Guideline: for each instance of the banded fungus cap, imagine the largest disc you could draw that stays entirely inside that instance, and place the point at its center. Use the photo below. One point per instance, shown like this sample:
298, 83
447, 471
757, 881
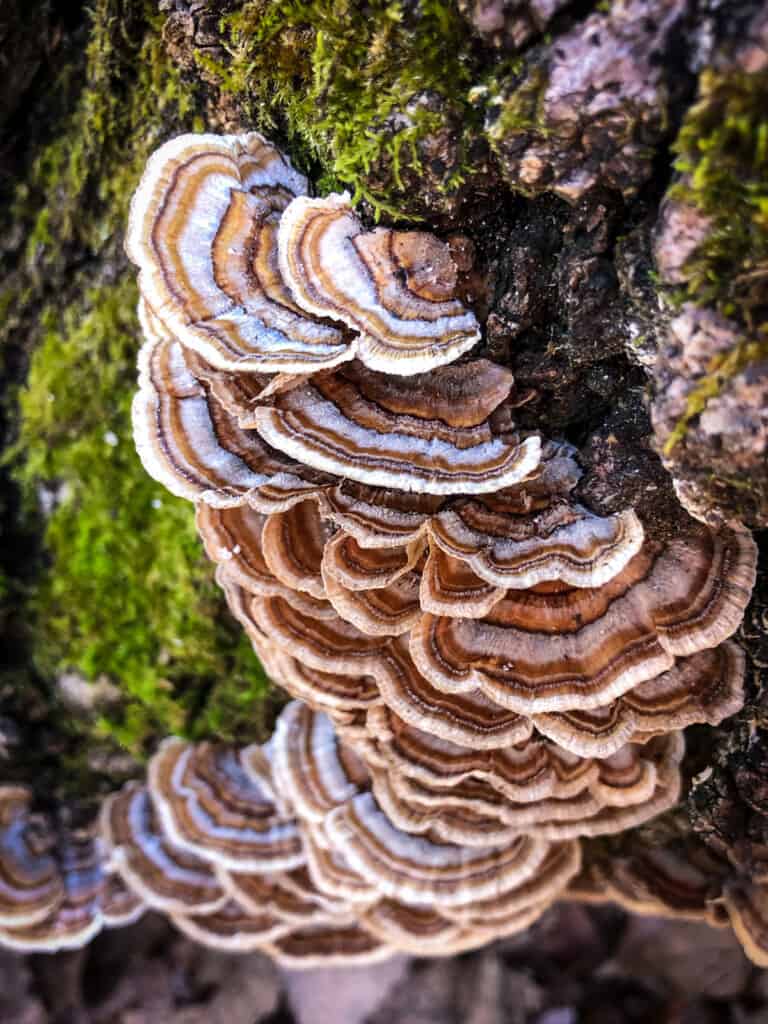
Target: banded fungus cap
395, 288
516, 909
292, 896
202, 230
164, 877
402, 433
601, 798
31, 887
313, 770
705, 687
421, 931
665, 881
217, 802
420, 872
120, 906
329, 945
77, 917
519, 547
556, 650
233, 928
191, 445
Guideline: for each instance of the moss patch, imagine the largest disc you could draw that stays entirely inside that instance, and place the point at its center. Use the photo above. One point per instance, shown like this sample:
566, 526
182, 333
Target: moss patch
723, 156
518, 109
344, 82
125, 590
129, 594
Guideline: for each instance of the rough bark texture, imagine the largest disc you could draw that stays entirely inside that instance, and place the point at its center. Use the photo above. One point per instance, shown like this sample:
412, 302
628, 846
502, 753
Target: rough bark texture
601, 167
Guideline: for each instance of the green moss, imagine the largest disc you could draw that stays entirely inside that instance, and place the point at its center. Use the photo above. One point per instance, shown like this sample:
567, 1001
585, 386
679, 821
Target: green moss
520, 109
80, 185
722, 153
125, 591
344, 83
130, 594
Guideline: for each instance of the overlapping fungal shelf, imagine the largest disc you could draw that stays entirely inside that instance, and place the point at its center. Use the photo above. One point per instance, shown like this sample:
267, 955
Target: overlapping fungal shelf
484, 671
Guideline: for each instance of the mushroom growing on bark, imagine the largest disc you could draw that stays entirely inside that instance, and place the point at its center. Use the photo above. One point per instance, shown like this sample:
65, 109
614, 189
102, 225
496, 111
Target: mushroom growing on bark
55, 889
490, 669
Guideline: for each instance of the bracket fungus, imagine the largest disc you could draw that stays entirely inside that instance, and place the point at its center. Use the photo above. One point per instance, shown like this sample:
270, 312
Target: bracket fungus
202, 231
245, 270
31, 886
165, 877
355, 888
485, 671
665, 881
218, 802
56, 891
394, 287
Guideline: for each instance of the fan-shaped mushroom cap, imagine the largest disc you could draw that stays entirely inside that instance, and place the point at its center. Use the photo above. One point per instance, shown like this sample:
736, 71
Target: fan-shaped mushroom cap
327, 647
332, 872
389, 610
232, 537
293, 542
419, 871
704, 687
337, 668
233, 928
377, 517
508, 544
454, 929
508, 913
325, 642
468, 719
291, 896
395, 287
527, 772
449, 586
661, 881
217, 802
165, 878
202, 229
341, 697
191, 445
120, 906
30, 884
354, 567
328, 945
628, 789
747, 907
313, 772
391, 432
553, 649
77, 917
421, 931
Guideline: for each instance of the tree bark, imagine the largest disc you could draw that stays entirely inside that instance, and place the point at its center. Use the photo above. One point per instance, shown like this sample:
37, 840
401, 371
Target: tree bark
599, 168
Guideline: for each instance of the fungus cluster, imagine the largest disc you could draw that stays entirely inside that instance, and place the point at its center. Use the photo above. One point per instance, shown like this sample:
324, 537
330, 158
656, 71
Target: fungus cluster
285, 848
55, 890
484, 670
504, 663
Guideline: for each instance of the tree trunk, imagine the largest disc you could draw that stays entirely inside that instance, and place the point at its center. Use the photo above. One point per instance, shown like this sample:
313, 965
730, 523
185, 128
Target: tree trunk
601, 172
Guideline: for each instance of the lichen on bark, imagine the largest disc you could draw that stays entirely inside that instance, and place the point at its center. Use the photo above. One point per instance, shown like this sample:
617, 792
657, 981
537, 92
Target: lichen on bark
711, 374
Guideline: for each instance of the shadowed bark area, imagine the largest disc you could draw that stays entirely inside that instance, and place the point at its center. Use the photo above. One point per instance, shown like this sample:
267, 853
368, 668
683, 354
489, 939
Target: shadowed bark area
600, 168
